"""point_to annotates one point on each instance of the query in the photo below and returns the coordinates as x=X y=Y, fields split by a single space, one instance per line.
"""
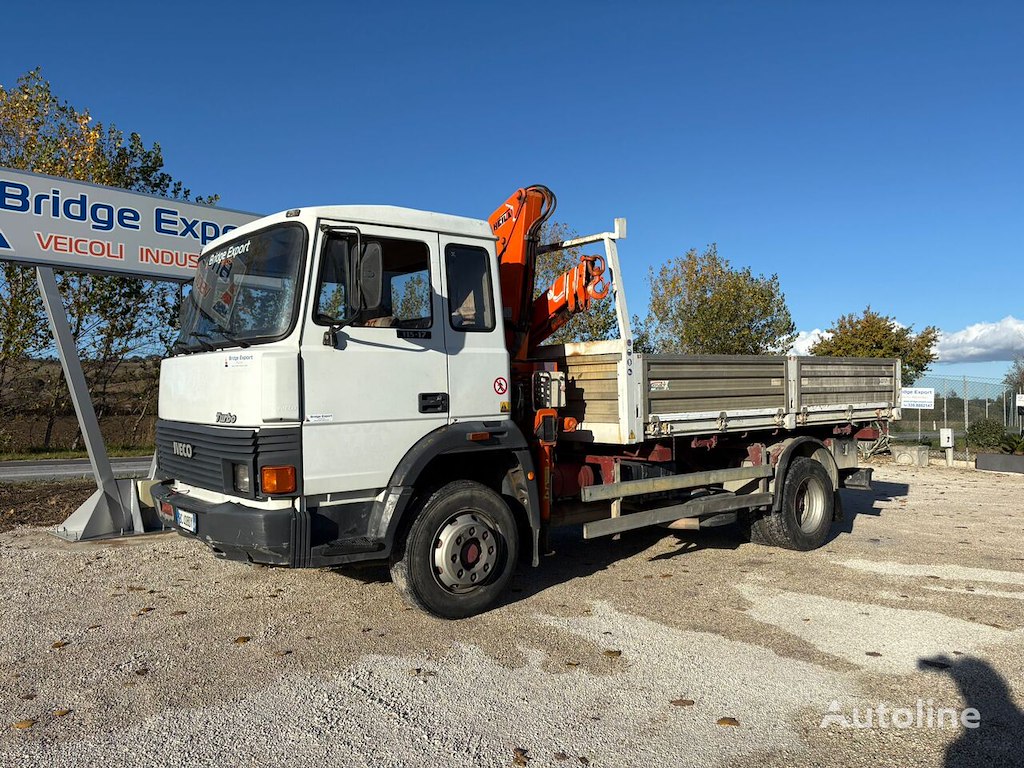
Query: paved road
x=63 y=469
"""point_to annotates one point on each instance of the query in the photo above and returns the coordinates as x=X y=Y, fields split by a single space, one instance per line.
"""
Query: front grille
x=203 y=456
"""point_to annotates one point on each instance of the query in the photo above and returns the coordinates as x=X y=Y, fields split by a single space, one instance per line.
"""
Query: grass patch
x=113 y=451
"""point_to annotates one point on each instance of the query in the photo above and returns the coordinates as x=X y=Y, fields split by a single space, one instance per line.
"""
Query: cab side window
x=470 y=298
x=405 y=295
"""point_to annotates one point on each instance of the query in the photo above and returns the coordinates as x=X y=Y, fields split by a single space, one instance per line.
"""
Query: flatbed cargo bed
x=620 y=397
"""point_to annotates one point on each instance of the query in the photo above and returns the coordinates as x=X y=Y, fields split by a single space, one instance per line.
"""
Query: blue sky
x=867 y=152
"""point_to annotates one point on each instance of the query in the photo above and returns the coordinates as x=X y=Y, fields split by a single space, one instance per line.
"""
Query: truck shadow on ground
x=571 y=557
x=997 y=739
x=857 y=503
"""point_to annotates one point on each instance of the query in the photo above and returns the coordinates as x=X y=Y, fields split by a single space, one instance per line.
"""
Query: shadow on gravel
x=573 y=557
x=996 y=742
x=857 y=503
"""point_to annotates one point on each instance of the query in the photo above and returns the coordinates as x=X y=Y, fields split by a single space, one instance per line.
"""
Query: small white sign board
x=917 y=398
x=1020 y=401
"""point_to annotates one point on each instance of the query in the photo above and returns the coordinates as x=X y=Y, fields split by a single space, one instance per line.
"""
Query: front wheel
x=459 y=553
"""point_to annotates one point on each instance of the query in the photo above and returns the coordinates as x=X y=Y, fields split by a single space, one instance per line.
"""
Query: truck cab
x=327 y=358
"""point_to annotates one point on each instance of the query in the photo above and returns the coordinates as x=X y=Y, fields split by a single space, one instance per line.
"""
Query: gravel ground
x=614 y=653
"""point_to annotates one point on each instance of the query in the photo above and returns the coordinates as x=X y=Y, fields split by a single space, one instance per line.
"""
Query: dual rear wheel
x=805 y=516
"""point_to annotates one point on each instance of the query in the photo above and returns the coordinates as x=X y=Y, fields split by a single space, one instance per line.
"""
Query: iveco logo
x=181 y=449
x=226 y=418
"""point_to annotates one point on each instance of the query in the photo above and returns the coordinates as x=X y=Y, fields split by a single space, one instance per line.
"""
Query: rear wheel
x=459 y=553
x=805 y=517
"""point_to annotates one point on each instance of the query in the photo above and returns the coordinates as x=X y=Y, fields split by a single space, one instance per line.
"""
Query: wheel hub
x=810 y=505
x=465 y=551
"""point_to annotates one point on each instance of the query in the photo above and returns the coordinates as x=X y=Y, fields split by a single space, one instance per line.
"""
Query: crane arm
x=571 y=292
x=528 y=321
x=516 y=223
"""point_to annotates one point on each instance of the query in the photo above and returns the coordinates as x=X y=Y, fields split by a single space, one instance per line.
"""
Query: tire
x=808 y=506
x=459 y=552
x=754 y=527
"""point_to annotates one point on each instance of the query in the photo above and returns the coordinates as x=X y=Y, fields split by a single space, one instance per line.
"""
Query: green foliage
x=596 y=324
x=700 y=304
x=985 y=433
x=1012 y=444
x=112 y=317
x=875 y=335
x=1014 y=378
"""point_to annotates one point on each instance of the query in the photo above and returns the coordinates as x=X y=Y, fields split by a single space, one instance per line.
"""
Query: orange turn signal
x=275 y=480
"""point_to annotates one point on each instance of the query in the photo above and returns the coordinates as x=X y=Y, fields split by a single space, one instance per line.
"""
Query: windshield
x=244 y=292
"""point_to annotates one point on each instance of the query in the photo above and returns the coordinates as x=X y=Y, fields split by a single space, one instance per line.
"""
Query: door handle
x=433 y=402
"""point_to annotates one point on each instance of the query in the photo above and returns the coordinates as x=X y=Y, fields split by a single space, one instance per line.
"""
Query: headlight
x=243 y=483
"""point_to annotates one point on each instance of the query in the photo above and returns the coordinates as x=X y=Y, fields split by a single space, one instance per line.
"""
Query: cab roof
x=378 y=215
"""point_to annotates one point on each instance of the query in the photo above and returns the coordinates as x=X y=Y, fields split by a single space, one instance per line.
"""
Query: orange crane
x=528 y=321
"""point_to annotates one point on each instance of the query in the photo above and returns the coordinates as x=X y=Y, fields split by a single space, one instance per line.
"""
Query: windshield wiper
x=200 y=337
x=217 y=326
x=232 y=337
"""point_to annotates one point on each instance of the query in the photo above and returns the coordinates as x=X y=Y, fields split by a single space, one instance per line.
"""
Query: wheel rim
x=810 y=504
x=467 y=551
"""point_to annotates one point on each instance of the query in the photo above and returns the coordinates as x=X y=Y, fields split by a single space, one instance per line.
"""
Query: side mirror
x=371 y=277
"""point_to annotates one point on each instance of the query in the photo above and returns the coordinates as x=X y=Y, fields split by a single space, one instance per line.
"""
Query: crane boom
x=528 y=321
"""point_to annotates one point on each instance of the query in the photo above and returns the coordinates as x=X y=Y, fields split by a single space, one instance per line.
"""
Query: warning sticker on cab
x=659 y=385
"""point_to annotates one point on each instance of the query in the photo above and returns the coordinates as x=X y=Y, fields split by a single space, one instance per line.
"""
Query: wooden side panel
x=592 y=388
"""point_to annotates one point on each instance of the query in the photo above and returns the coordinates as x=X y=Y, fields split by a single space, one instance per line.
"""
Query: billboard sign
x=917 y=398
x=65 y=224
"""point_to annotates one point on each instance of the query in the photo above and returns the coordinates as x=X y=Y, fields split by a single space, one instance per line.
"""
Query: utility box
x=945 y=438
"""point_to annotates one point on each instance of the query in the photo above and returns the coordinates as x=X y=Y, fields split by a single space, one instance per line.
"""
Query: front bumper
x=233 y=531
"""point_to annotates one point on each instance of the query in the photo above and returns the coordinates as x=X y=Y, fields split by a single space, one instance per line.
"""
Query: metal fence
x=959 y=402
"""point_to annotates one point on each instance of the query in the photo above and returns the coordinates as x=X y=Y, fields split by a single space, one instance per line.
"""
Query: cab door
x=478 y=366
x=372 y=396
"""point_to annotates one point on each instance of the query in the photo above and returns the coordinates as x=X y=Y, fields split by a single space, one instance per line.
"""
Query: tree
x=876 y=335
x=1014 y=378
x=112 y=317
x=596 y=324
x=700 y=304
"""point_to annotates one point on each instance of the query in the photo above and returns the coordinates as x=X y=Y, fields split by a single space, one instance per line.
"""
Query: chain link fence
x=959 y=402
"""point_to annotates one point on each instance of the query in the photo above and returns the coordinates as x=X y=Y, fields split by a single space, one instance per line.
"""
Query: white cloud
x=805 y=339
x=978 y=343
x=983 y=342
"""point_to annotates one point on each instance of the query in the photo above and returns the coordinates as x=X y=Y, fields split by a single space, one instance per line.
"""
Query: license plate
x=186 y=520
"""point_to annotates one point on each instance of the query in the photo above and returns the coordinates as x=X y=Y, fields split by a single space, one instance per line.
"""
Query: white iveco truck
x=370 y=384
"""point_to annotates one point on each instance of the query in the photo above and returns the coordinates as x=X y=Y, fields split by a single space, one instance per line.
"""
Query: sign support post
x=114 y=508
